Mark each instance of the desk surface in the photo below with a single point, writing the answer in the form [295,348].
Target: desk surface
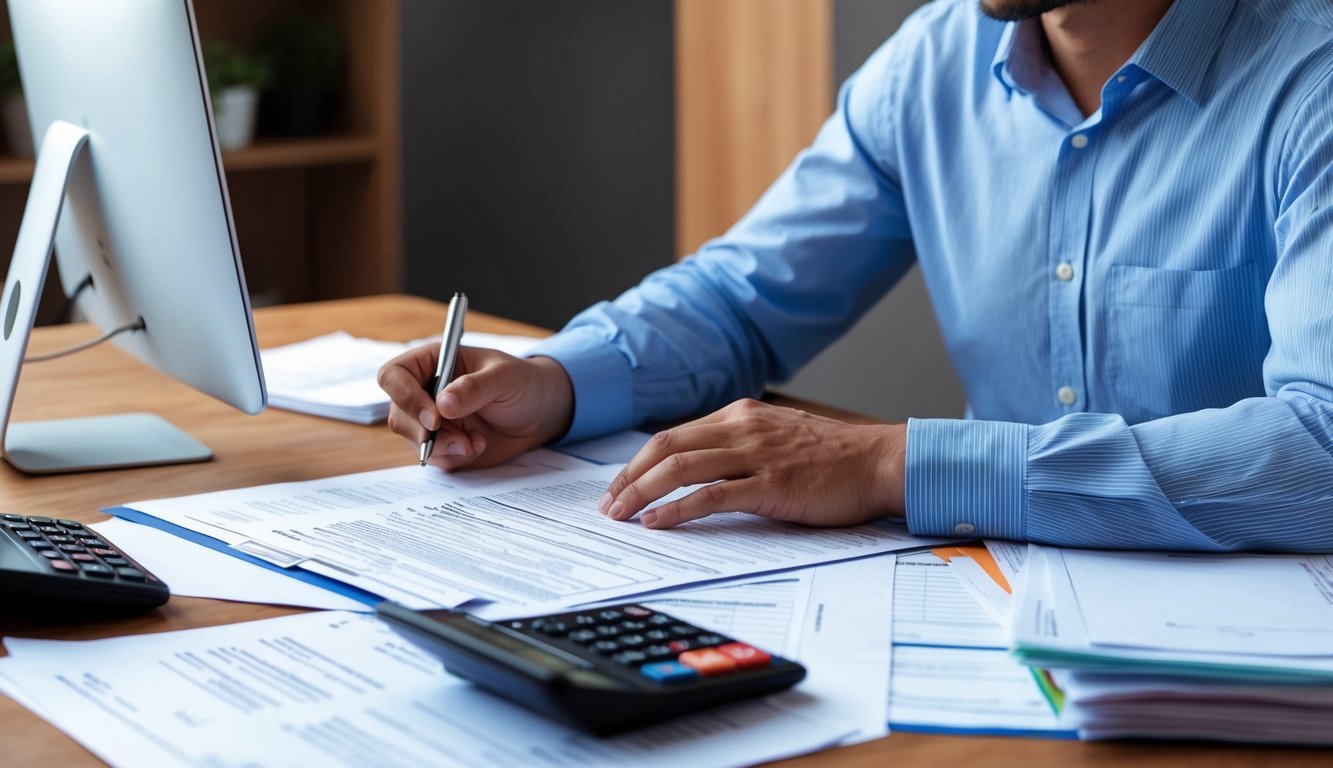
[279,446]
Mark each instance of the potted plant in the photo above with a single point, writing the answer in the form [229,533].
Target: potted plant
[307,57]
[235,79]
[13,111]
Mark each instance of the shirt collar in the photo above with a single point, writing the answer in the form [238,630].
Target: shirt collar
[1178,52]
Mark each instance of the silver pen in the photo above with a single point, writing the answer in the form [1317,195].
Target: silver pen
[444,367]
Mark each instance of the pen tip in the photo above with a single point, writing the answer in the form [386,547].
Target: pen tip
[425,452]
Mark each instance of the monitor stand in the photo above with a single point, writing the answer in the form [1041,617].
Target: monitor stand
[66,445]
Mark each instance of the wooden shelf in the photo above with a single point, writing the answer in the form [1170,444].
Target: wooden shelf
[263,155]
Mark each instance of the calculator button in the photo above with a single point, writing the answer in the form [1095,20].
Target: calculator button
[70,548]
[680,646]
[29,535]
[96,569]
[60,539]
[82,534]
[87,542]
[668,672]
[632,641]
[70,523]
[657,635]
[637,610]
[610,615]
[83,557]
[659,653]
[708,662]
[606,630]
[49,554]
[104,552]
[633,626]
[683,630]
[39,519]
[709,639]
[583,636]
[630,658]
[131,574]
[745,656]
[40,545]
[15,518]
[115,561]
[554,628]
[62,565]
[50,529]
[660,619]
[19,527]
[606,646]
[584,619]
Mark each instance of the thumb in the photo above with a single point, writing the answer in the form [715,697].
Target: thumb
[471,392]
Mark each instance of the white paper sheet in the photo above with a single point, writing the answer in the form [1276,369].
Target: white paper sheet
[932,607]
[530,544]
[334,375]
[191,570]
[337,688]
[965,689]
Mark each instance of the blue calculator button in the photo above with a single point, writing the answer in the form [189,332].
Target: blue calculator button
[668,672]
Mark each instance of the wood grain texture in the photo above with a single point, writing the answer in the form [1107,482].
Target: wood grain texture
[279,446]
[754,81]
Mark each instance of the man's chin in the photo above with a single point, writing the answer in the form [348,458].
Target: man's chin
[1018,10]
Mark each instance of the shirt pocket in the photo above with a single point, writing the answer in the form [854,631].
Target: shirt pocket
[1183,340]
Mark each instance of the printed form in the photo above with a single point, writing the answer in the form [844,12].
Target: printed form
[341,689]
[524,544]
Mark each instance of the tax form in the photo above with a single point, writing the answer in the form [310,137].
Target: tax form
[531,543]
[336,688]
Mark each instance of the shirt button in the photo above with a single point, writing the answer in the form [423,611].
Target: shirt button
[1065,271]
[1079,141]
[1120,79]
[1067,395]
[964,529]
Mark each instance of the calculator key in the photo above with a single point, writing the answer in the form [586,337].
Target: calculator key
[657,635]
[632,641]
[659,653]
[15,518]
[82,534]
[630,658]
[637,610]
[40,545]
[19,527]
[75,524]
[584,619]
[660,619]
[554,628]
[683,630]
[95,569]
[131,574]
[633,626]
[745,656]
[606,646]
[60,539]
[62,565]
[708,662]
[50,554]
[39,519]
[115,561]
[29,535]
[668,672]
[83,557]
[606,630]
[104,552]
[70,548]
[609,615]
[583,636]
[87,542]
[709,640]
[50,529]
[680,646]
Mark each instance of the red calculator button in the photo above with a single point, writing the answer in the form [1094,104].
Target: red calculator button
[745,656]
[708,662]
[62,565]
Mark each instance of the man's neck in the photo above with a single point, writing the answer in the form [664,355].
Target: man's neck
[1090,41]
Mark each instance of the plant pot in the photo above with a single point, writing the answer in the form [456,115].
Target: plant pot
[235,111]
[18,132]
[296,111]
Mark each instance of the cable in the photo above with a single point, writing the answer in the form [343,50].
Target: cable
[137,325]
[66,311]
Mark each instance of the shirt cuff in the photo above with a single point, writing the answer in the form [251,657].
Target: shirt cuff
[966,478]
[601,378]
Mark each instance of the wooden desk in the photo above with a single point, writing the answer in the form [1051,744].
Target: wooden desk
[280,446]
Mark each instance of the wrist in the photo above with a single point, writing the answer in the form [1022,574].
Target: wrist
[890,469]
[557,396]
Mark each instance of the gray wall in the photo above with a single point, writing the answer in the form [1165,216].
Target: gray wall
[538,163]
[892,365]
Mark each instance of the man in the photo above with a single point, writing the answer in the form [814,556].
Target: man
[1123,210]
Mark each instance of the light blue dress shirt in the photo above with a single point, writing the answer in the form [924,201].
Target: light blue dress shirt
[1139,303]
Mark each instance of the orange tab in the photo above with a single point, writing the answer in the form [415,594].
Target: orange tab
[983,558]
[708,662]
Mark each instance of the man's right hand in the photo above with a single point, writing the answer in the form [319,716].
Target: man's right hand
[497,406]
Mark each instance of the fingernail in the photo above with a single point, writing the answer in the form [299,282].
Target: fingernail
[427,418]
[615,509]
[449,403]
[457,449]
[649,518]
[604,503]
[479,444]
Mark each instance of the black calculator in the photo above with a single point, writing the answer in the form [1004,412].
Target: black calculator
[605,670]
[60,568]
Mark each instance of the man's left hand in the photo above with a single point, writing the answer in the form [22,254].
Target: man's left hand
[779,463]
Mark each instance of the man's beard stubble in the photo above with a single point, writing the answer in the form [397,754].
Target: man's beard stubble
[1018,10]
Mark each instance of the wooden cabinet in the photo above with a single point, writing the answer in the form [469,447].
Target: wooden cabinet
[317,217]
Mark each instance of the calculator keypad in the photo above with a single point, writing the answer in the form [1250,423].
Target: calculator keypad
[69,548]
[660,647]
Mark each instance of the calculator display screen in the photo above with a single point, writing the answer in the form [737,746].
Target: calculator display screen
[510,644]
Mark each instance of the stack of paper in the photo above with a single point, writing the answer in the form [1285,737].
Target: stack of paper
[1235,647]
[334,375]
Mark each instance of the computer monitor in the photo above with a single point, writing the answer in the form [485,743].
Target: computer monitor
[129,186]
